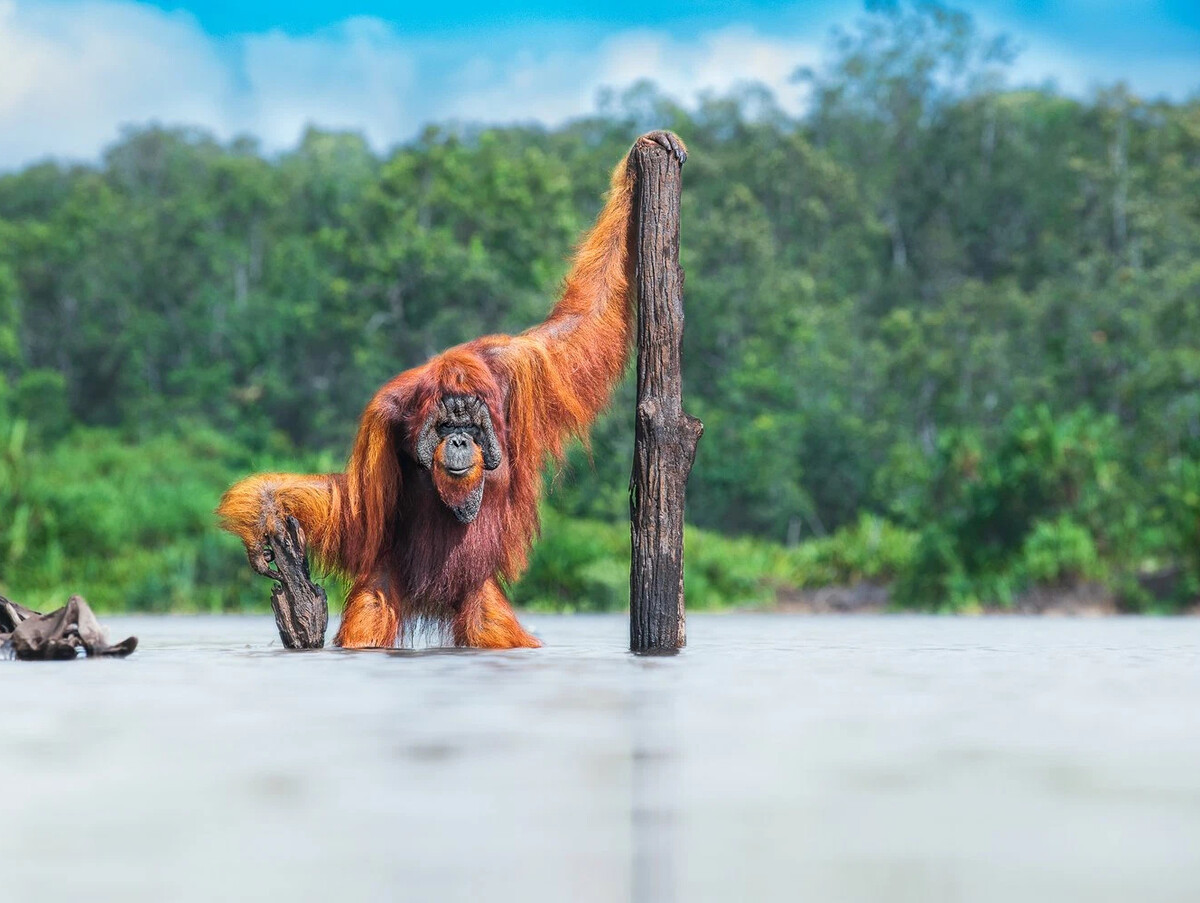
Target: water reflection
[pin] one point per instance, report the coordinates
(654, 794)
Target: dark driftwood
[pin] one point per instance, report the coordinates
(26, 634)
(301, 609)
(666, 437)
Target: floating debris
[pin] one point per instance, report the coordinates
(30, 635)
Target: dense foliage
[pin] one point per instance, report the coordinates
(940, 331)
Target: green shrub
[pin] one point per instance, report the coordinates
(1182, 517)
(871, 549)
(40, 398)
(723, 572)
(583, 565)
(129, 525)
(1034, 506)
(1059, 553)
(576, 565)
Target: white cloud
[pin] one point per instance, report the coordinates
(558, 85)
(717, 61)
(72, 72)
(358, 75)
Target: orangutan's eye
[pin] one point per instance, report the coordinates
(465, 429)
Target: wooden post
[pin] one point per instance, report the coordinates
(301, 609)
(665, 437)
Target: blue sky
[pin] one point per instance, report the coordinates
(1099, 24)
(73, 72)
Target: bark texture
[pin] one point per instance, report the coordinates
(301, 609)
(666, 437)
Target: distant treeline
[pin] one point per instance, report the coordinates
(943, 333)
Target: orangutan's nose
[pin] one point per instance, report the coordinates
(458, 455)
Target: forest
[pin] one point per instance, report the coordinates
(944, 334)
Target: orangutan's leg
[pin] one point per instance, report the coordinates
(369, 620)
(487, 621)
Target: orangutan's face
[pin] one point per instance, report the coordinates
(457, 444)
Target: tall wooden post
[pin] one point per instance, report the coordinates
(665, 437)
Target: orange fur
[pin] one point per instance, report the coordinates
(383, 522)
(255, 508)
(487, 621)
(369, 620)
(452, 489)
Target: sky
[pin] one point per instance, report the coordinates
(73, 73)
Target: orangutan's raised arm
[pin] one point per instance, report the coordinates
(562, 372)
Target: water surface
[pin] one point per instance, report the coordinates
(778, 758)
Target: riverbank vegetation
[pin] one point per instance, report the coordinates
(943, 333)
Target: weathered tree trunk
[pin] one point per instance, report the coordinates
(666, 437)
(301, 609)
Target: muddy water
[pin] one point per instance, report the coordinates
(779, 758)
